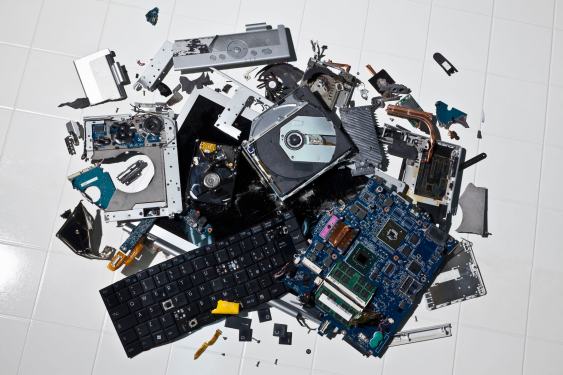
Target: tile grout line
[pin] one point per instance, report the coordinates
(42, 279)
(25, 66)
(363, 36)
(425, 49)
(541, 171)
(491, 24)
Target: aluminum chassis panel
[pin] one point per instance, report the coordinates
(170, 167)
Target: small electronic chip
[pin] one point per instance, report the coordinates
(406, 251)
(392, 234)
(359, 211)
(389, 269)
(414, 267)
(405, 286)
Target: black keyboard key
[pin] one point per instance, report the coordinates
(252, 286)
(246, 245)
(234, 251)
(257, 254)
(240, 276)
(184, 283)
(197, 278)
(142, 329)
(159, 338)
(213, 299)
(228, 281)
(204, 289)
(222, 256)
(249, 301)
(180, 300)
(147, 342)
(133, 349)
(210, 260)
(161, 279)
(263, 296)
(277, 260)
(254, 271)
(199, 263)
(159, 294)
(148, 284)
(136, 289)
(209, 273)
(124, 324)
(240, 292)
(265, 281)
(174, 273)
(123, 295)
(154, 310)
(204, 304)
(244, 260)
(108, 290)
(171, 332)
(265, 266)
(154, 270)
(154, 325)
(119, 311)
(186, 268)
(268, 250)
(277, 290)
(166, 320)
(130, 280)
(171, 289)
(111, 301)
(146, 299)
(193, 294)
(134, 304)
(128, 336)
(142, 315)
(258, 239)
(217, 284)
(228, 295)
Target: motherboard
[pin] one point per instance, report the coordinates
(368, 265)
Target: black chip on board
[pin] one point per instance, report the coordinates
(392, 234)
(414, 267)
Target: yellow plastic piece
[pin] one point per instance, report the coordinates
(207, 147)
(204, 346)
(226, 308)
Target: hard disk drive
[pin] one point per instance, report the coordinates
(294, 142)
(212, 173)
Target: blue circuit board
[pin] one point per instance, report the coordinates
(368, 265)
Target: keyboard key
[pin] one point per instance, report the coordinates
(249, 301)
(111, 300)
(209, 273)
(174, 273)
(171, 289)
(125, 323)
(199, 264)
(161, 279)
(240, 276)
(222, 256)
(158, 338)
(142, 315)
(257, 254)
(186, 268)
(123, 295)
(254, 271)
(217, 284)
(142, 329)
(252, 286)
(128, 336)
(134, 304)
(133, 349)
(154, 325)
(166, 320)
(277, 260)
(268, 250)
(193, 294)
(277, 290)
(263, 296)
(210, 260)
(197, 278)
(265, 281)
(246, 245)
(204, 289)
(148, 284)
(147, 342)
(265, 266)
(171, 332)
(147, 299)
(154, 310)
(136, 289)
(258, 239)
(234, 251)
(184, 283)
(180, 300)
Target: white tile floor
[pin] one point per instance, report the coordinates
(509, 55)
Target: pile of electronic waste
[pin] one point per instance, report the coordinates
(284, 193)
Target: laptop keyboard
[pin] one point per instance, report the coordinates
(167, 301)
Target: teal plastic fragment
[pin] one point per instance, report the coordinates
(375, 339)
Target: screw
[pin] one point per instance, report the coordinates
(257, 363)
(308, 351)
(258, 341)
